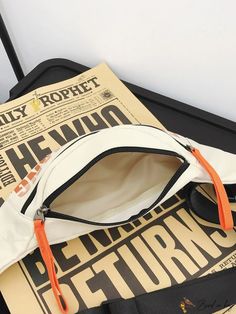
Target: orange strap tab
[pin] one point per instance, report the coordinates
(225, 213)
(49, 262)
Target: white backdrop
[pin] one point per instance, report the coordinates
(184, 49)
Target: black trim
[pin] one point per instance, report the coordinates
(29, 199)
(33, 193)
(125, 149)
(53, 214)
(63, 187)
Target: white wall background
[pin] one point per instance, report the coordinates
(184, 49)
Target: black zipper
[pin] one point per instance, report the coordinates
(29, 199)
(33, 193)
(52, 214)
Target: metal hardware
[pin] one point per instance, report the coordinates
(40, 213)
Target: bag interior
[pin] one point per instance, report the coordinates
(118, 186)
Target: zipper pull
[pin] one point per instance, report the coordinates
(40, 213)
(46, 253)
(189, 147)
(224, 209)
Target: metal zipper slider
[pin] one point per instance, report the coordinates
(47, 255)
(40, 213)
(190, 148)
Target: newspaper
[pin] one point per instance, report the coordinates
(38, 123)
(106, 264)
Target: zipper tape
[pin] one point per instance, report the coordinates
(52, 214)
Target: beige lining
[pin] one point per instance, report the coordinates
(121, 182)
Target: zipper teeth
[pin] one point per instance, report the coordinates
(171, 153)
(29, 199)
(170, 184)
(63, 187)
(33, 193)
(172, 181)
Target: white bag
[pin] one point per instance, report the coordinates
(104, 179)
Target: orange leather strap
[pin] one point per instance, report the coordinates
(224, 210)
(49, 262)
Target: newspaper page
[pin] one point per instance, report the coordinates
(119, 262)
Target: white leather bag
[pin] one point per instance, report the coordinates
(104, 179)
